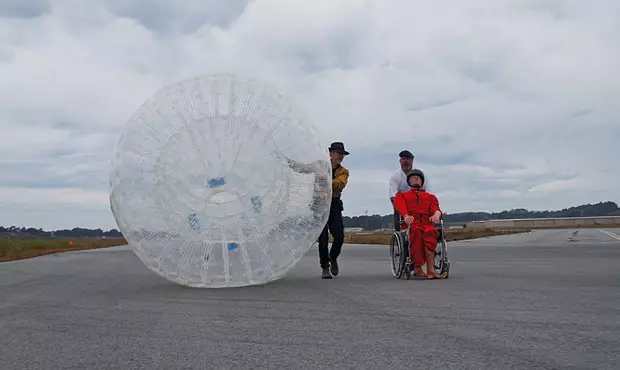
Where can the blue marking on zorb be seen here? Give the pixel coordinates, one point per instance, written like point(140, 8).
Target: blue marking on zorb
point(216, 182)
point(193, 221)
point(232, 246)
point(257, 204)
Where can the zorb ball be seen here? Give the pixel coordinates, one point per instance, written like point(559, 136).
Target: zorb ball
point(216, 183)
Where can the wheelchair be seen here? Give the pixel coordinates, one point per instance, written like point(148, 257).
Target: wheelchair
point(401, 261)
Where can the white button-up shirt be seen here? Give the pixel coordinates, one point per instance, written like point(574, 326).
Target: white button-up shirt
point(398, 183)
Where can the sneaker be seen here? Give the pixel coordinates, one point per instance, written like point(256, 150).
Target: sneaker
point(326, 274)
point(334, 268)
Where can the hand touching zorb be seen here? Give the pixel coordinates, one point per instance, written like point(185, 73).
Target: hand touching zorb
point(215, 183)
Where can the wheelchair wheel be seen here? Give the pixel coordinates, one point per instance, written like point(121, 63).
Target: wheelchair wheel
point(397, 254)
point(441, 263)
point(438, 261)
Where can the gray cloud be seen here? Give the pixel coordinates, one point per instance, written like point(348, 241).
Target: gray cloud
point(24, 9)
point(179, 16)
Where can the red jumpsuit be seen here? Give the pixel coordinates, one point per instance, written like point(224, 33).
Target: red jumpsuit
point(421, 206)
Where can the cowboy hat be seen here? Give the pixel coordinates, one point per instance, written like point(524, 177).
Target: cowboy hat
point(338, 147)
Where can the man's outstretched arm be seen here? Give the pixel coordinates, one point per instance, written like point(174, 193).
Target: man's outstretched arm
point(306, 168)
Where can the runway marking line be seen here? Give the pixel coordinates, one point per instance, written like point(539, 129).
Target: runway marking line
point(610, 234)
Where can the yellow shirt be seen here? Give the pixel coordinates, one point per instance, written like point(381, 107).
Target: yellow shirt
point(340, 177)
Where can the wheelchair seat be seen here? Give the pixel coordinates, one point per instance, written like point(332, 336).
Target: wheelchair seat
point(401, 262)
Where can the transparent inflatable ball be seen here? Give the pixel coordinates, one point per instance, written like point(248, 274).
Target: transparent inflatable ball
point(216, 183)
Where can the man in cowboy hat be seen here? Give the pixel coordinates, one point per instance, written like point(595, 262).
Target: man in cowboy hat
point(328, 259)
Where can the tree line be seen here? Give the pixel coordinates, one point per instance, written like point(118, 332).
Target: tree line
point(370, 222)
point(76, 232)
point(376, 222)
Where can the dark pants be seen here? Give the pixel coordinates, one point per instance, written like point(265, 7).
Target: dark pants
point(396, 220)
point(336, 227)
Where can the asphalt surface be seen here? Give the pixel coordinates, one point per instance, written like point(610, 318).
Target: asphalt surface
point(544, 300)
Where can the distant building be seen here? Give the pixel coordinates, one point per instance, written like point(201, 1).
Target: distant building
point(545, 222)
point(353, 229)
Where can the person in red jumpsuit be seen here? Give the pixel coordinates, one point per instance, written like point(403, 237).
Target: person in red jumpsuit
point(421, 211)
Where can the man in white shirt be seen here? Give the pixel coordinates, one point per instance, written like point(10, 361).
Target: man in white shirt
point(398, 181)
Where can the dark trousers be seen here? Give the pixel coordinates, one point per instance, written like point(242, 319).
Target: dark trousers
point(396, 220)
point(336, 227)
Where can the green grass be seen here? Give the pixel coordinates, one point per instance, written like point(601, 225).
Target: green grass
point(17, 249)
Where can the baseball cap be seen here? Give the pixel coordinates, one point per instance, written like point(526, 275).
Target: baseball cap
point(406, 154)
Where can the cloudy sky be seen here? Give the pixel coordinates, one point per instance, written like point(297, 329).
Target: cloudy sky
point(506, 104)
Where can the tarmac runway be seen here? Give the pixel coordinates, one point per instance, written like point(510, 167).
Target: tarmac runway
point(549, 299)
